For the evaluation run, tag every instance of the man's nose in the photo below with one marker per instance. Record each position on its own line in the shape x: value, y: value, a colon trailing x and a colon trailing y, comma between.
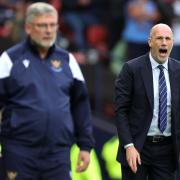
x: 164, y: 41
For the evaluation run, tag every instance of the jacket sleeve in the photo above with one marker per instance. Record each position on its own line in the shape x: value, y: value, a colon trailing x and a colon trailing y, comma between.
x: 123, y: 99
x: 80, y: 108
x: 5, y: 68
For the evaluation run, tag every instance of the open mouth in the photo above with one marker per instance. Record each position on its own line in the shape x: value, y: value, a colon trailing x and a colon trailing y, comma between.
x: 163, y: 51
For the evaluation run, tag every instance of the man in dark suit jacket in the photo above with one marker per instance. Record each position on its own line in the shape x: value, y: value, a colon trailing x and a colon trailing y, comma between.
x: 147, y: 151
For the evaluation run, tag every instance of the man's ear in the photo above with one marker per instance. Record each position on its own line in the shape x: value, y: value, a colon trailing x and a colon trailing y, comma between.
x: 149, y: 42
x: 27, y: 28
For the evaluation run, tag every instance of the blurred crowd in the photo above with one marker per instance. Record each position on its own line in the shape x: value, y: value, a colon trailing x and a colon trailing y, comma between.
x: 102, y: 33
x: 96, y: 30
x: 105, y: 33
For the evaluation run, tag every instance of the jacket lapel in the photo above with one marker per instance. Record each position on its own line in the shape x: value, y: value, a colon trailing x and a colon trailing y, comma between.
x: 174, y: 87
x: 146, y: 72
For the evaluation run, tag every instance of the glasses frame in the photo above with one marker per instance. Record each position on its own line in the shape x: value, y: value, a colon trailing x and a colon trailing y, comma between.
x: 45, y: 26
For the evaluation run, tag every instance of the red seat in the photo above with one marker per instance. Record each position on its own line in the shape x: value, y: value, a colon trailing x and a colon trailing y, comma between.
x: 96, y: 34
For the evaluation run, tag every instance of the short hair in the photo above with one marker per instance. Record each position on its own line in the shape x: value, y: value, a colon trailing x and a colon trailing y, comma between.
x: 156, y: 26
x: 39, y: 8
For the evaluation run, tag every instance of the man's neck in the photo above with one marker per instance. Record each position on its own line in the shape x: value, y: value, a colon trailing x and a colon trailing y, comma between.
x: 43, y: 52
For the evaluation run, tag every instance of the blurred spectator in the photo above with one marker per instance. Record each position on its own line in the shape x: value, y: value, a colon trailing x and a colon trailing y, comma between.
x: 116, y: 20
x: 109, y: 153
x: 7, y: 15
x: 78, y: 15
x: 93, y: 172
x: 140, y: 17
x: 97, y: 36
x: 11, y: 22
x: 165, y: 8
x: 57, y: 4
x: 6, y: 11
x: 18, y: 23
x: 83, y: 30
x: 118, y: 55
x: 176, y: 29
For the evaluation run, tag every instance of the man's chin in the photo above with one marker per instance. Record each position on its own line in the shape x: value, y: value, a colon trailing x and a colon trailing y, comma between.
x: 45, y: 45
x: 48, y: 44
x: 163, y: 58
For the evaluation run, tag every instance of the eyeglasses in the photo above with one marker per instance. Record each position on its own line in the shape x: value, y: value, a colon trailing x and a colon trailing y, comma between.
x: 43, y: 26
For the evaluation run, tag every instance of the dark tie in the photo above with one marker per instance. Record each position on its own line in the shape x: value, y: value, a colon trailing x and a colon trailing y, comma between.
x: 162, y: 120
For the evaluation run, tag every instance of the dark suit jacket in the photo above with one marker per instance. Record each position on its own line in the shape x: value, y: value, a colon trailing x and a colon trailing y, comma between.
x: 134, y: 103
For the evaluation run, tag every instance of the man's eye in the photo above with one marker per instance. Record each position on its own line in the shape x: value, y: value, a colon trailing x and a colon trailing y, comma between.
x: 42, y: 25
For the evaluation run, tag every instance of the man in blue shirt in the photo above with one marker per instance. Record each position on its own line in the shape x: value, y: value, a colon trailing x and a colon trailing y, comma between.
x: 45, y: 103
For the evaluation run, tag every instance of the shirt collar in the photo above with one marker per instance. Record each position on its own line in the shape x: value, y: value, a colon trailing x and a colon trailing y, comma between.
x: 33, y: 47
x: 154, y: 63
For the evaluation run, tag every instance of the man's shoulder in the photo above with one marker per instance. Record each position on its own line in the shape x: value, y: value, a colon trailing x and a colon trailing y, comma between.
x: 16, y: 51
x: 61, y: 51
x: 174, y: 66
x: 16, y: 48
x: 174, y: 63
x: 139, y: 61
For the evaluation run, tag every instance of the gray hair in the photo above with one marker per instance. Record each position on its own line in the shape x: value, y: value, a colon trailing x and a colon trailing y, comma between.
x: 39, y: 8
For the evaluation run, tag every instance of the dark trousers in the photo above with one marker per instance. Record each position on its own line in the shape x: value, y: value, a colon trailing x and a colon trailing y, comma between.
x: 158, y: 163
x: 2, y: 172
x: 20, y: 167
x: 178, y: 172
